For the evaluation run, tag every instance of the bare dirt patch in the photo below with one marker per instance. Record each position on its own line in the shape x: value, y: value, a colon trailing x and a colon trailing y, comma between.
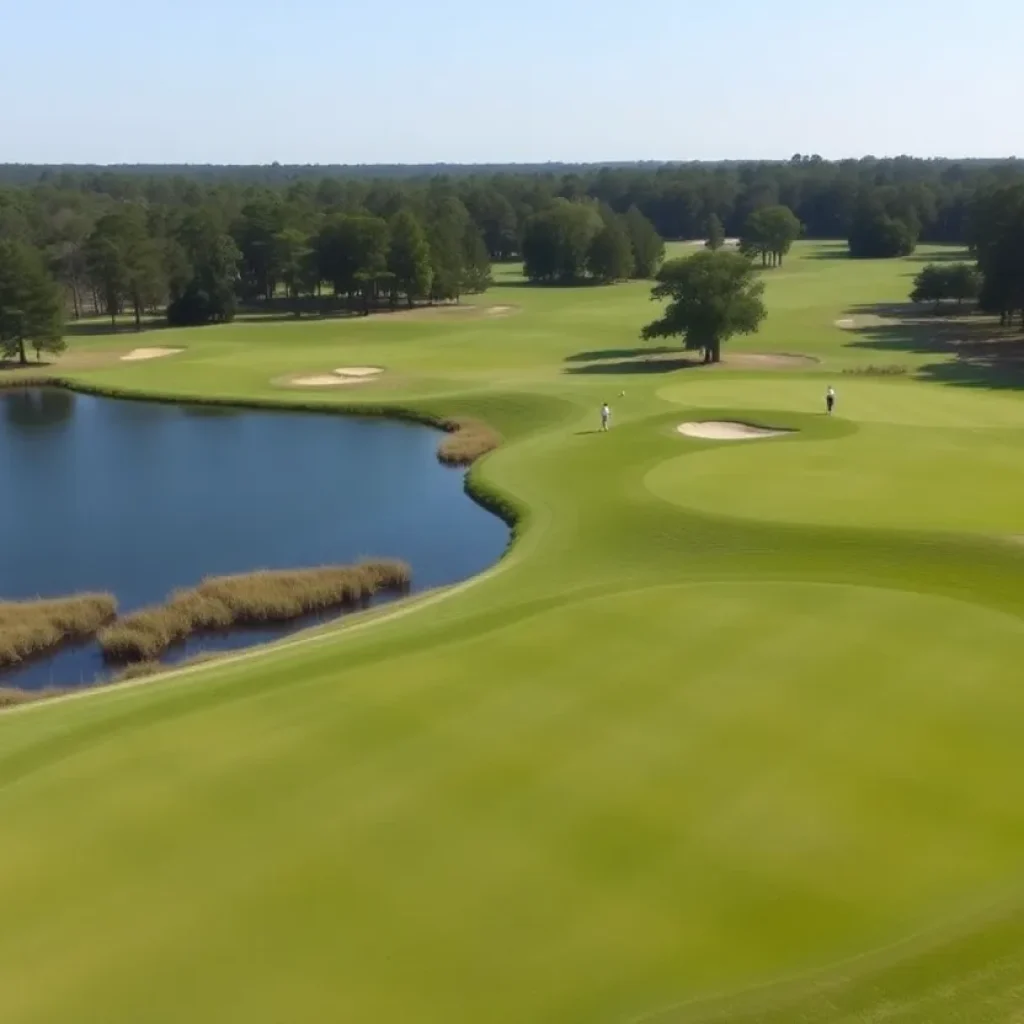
x: 769, y: 360
x: 344, y: 376
x: 728, y: 430
x: 455, y: 311
x: 137, y: 354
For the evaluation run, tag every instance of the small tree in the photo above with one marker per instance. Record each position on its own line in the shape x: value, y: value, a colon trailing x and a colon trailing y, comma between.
x: 938, y: 282
x: 715, y: 233
x: 771, y: 232
x: 874, y: 234
x: 712, y: 296
x: 930, y: 285
x: 30, y: 307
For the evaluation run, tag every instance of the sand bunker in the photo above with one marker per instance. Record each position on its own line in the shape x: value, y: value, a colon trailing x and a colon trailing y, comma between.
x: 148, y: 353
x: 341, y: 377
x: 727, y: 430
x: 865, y: 320
x: 497, y: 310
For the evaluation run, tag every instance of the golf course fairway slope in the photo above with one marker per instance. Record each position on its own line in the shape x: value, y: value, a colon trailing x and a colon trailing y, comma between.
x: 733, y: 733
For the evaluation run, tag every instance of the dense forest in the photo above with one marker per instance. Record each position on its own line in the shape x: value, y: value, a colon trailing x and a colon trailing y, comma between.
x: 197, y: 241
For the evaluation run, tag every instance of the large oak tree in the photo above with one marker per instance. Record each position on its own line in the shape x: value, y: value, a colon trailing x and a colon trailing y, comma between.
x: 711, y: 297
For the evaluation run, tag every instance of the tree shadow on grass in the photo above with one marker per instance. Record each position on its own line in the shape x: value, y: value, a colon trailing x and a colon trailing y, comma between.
x: 605, y: 354
x: 979, y: 353
x: 623, y: 366
x: 999, y: 374
x: 829, y: 251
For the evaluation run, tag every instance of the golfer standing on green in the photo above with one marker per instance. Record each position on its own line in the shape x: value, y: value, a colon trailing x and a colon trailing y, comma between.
x: 606, y: 415
x: 830, y: 400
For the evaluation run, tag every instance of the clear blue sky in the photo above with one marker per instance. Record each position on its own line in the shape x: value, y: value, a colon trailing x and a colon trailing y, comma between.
x: 342, y: 81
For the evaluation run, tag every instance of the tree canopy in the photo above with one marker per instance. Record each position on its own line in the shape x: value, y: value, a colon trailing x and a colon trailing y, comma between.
x: 938, y: 282
x: 770, y: 232
x: 712, y: 296
x: 882, y: 228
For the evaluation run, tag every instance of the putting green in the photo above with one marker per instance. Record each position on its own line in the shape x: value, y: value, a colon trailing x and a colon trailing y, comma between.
x: 896, y: 402
x: 735, y: 732
x: 903, y: 478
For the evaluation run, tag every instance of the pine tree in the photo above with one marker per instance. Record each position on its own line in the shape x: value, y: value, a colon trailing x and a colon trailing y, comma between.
x: 409, y: 257
x: 647, y: 244
x: 30, y: 310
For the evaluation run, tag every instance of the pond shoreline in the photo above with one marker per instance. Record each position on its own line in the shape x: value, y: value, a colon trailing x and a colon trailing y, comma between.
x: 459, y: 430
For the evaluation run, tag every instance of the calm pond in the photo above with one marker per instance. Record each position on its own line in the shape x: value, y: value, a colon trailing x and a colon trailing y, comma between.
x: 138, y: 498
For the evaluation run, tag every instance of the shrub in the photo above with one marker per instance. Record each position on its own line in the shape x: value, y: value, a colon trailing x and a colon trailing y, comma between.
x: 882, y: 370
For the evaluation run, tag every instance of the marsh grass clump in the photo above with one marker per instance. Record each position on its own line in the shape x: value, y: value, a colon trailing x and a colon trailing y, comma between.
x: 32, y: 628
x: 467, y: 440
x: 250, y: 599
x: 881, y: 370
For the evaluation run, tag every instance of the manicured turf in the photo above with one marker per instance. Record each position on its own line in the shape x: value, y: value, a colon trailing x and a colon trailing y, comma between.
x: 734, y: 733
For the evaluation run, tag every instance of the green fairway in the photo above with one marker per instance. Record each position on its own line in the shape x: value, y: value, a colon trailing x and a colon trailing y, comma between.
x: 734, y: 733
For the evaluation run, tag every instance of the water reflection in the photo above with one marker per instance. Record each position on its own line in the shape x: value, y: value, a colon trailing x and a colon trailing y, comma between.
x: 38, y: 407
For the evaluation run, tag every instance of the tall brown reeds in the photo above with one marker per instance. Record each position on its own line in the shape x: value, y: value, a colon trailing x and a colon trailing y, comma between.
x: 32, y: 628
x: 467, y: 440
x: 250, y: 599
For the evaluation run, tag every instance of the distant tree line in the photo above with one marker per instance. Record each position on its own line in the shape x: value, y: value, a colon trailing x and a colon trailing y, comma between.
x: 196, y: 242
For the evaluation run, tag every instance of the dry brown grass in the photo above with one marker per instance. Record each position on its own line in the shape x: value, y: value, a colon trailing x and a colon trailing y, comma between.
x: 142, y: 669
x: 31, y: 628
x: 11, y: 697
x: 467, y: 440
x: 251, y: 599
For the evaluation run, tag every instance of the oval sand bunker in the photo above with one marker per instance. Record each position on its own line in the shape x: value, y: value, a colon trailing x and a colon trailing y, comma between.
x: 148, y: 353
x: 728, y: 430
x: 340, y: 377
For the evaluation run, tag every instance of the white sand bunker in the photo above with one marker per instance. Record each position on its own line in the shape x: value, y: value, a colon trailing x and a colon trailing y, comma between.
x: 727, y: 430
x: 497, y: 310
x: 865, y: 320
x: 341, y: 377
x: 148, y: 353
